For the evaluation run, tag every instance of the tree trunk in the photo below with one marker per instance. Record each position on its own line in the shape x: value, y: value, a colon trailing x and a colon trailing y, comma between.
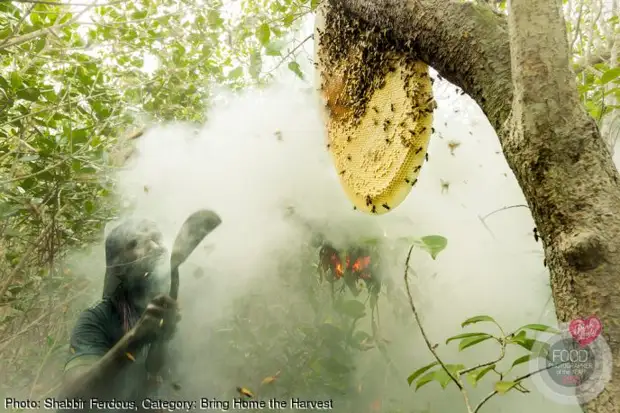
x: 553, y: 147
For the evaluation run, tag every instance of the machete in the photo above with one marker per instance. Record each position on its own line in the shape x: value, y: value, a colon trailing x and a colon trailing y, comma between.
x: 195, y: 228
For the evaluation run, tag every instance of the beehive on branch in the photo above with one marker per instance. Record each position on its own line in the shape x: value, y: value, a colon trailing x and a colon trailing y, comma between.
x: 378, y: 109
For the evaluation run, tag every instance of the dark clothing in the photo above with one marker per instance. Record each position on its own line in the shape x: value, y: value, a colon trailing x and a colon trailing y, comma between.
x: 100, y: 327
x: 97, y: 330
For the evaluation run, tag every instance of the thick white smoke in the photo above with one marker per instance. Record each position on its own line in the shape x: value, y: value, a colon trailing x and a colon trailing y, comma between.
x: 264, y: 151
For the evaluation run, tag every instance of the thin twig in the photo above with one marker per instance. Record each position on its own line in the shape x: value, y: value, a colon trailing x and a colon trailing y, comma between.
x: 26, y: 254
x: 517, y: 380
x: 291, y: 52
x: 503, y: 209
x: 428, y: 343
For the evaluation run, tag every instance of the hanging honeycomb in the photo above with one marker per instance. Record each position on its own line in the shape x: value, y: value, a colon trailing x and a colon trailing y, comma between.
x: 378, y: 109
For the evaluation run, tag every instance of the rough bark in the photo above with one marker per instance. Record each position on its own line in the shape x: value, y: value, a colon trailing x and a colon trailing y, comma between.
x: 553, y: 147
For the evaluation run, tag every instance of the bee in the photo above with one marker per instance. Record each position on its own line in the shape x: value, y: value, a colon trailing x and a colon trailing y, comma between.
x: 432, y: 130
x: 392, y: 107
x: 388, y: 141
x: 386, y: 124
x: 402, y: 124
x: 545, y: 262
x: 343, y: 171
x: 414, y: 182
x: 245, y: 392
x: 354, y: 208
x: 348, y: 157
x: 418, y: 150
x: 329, y: 145
x: 407, y: 180
x: 386, y: 206
x: 375, y: 109
x: 411, y: 131
x: 462, y: 92
x: 368, y: 200
x: 417, y: 168
x: 374, y: 209
x: 376, y: 122
x: 426, y: 156
x: 439, y: 77
x: 536, y: 237
x: 348, y: 139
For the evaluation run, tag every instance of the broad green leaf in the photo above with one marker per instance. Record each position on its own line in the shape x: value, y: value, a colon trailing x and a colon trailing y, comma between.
x: 466, y: 335
x: 263, y: 33
x: 502, y: 387
x: 521, y: 360
x: 539, y: 327
x: 434, y: 244
x: 294, y: 67
x: 478, y: 319
x: 483, y: 371
x: 420, y: 371
x: 424, y: 380
x: 610, y: 75
x: 472, y: 341
x: 31, y: 94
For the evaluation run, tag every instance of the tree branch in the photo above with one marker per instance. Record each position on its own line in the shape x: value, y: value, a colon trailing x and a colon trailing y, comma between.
x: 466, y: 43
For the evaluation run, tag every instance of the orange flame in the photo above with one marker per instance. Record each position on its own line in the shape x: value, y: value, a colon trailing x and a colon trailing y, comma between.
x: 361, y: 263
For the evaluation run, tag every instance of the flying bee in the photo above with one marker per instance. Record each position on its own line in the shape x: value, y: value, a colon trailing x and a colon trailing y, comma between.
x: 245, y: 392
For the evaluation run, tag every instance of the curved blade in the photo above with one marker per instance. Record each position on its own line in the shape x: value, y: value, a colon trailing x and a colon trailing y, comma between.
x: 195, y: 228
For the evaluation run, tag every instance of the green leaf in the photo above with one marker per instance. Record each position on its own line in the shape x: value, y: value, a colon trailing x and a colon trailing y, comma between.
x: 424, y: 380
x: 353, y: 308
x: 521, y: 360
x: 610, y: 75
x: 236, y: 73
x: 434, y: 244
x: 472, y: 341
x: 214, y: 19
x: 420, y: 371
x: 274, y: 49
x: 539, y: 327
x: 294, y: 67
x: 482, y: 372
x: 502, y: 387
x: 50, y: 341
x: 31, y: 94
x: 478, y: 319
x: 314, y: 4
x: 263, y: 33
x: 465, y: 335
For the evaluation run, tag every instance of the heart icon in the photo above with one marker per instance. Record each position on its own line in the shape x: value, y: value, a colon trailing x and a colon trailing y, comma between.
x: 585, y: 331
